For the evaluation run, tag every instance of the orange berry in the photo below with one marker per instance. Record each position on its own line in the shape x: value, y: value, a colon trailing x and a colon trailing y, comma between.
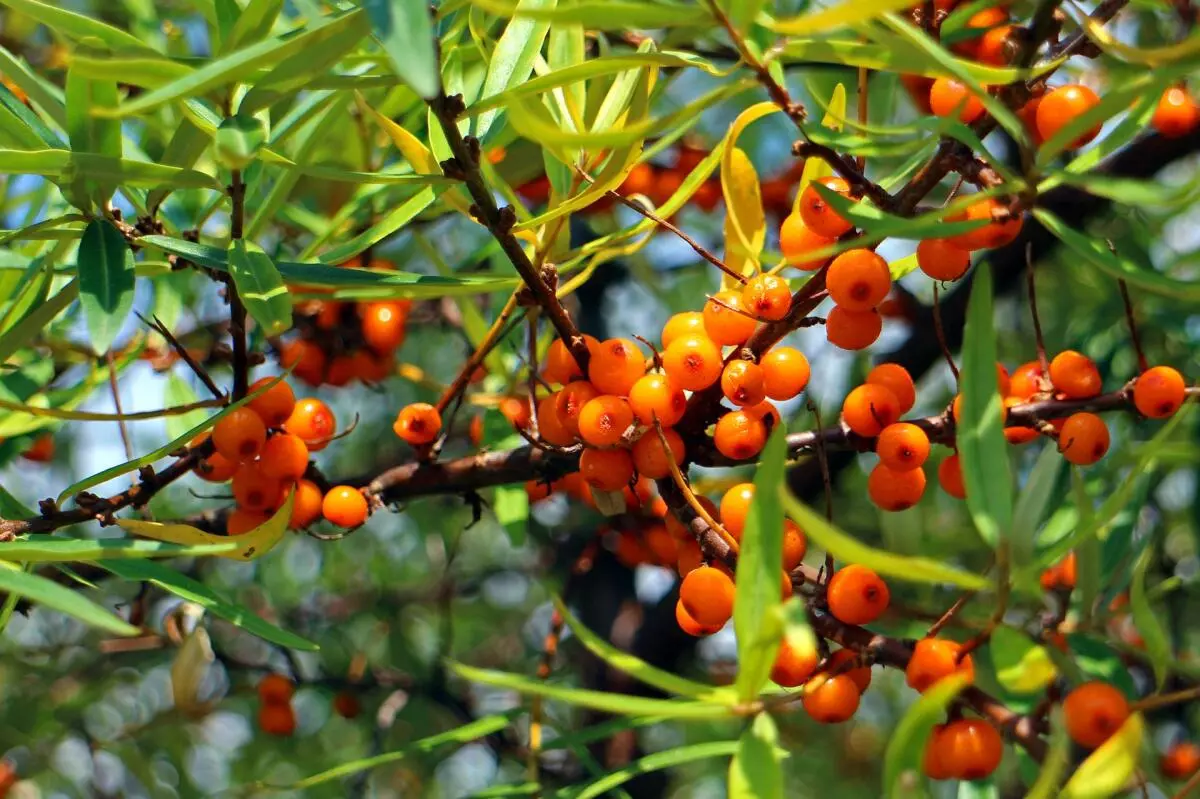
x: 275, y: 689
x: 767, y: 297
x: 830, y: 700
x: 241, y: 521
x: 896, y: 378
x: 932, y: 660
x: 284, y: 457
x: 797, y: 241
x: 763, y: 411
x: 994, y: 234
x: 941, y: 260
x: 693, y: 362
x: 240, y: 435
x: 345, y: 506
x: 1062, y: 105
x: 707, y: 596
x: 936, y: 764
x: 1094, y: 711
x: 856, y: 595
x: 1026, y: 380
x: 657, y: 396
x: 1084, y: 439
x: 551, y: 427
x: 253, y: 490
x: 1176, y: 114
x: 306, y: 359
x: 606, y: 469
x: 383, y: 324
x: 689, y: 323
x: 948, y: 97
x: 306, y: 507
x: 372, y: 367
x: 785, y: 372
x: 917, y: 87
x: 1159, y: 392
x: 858, y: 280
x: 690, y: 555
x: 41, y: 450
x: 974, y: 748
x: 274, y: 405
x: 725, y: 319
x: 743, y: 383
x: 795, y: 545
x: 979, y: 22
x: 516, y: 411
x: 346, y: 705
x: 663, y: 546
x: 649, y: 457
x: 792, y: 668
x: 537, y: 490
x: 993, y: 46
x: 818, y: 215
x: 902, y: 446
x: 735, y: 506
x: 852, y: 330
x: 1017, y: 435
x: 603, y: 420
x: 1181, y: 761
x: 313, y: 422
x: 895, y: 489
x: 615, y: 366
x: 869, y: 408
x: 690, y: 625
x: 739, y: 435
x: 277, y: 720
x: 1003, y: 380
x: 560, y: 365
x: 216, y: 468
x: 418, y: 423
x: 569, y: 402
x: 950, y: 477
x: 1028, y: 116
x: 1075, y: 375
x: 844, y: 661
x: 329, y: 314
x: 342, y: 370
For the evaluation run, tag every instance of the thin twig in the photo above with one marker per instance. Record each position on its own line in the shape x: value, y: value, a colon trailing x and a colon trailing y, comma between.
x: 237, y: 309
x: 1143, y: 364
x: 1043, y: 361
x: 826, y: 480
x: 184, y: 355
x: 116, y: 396
x: 940, y: 331
x: 1165, y: 700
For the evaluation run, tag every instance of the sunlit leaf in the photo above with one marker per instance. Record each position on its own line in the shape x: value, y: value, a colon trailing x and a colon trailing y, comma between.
x: 260, y: 286
x: 756, y: 772
x: 512, y: 60
x: 249, y: 545
x: 1107, y: 769
x: 405, y: 30
x: 40, y: 548
x: 53, y: 596
x: 1022, y: 666
x: 106, y: 282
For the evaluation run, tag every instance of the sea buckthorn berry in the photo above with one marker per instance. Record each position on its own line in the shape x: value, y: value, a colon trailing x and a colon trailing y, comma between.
x: 690, y: 625
x: 275, y: 689
x: 767, y: 297
x: 1084, y: 439
x: 793, y: 667
x: 1075, y: 375
x: 818, y: 215
x: 551, y: 428
x: 918, y: 87
x: 896, y: 378
x: 858, y: 280
x: 516, y: 411
x: 857, y: 595
x: 1176, y: 114
x: 1003, y: 227
x: 253, y: 490
x: 560, y: 365
x: 242, y: 521
x: 277, y: 720
x: 795, y: 545
x: 313, y: 422
x: 383, y: 325
x: 1027, y: 380
x: 936, y: 763
x: 342, y: 370
x: 569, y: 402
x: 1159, y: 392
x: 306, y: 507
x: 852, y: 330
x: 689, y: 323
x: 895, y: 489
x: 345, y: 506
x: 346, y: 705
x: 418, y: 423
x: 1061, y: 575
x: 974, y: 748
x: 869, y: 408
x: 41, y: 450
x: 1094, y: 711
x: 830, y: 700
x: 329, y: 314
x: 844, y: 661
x: 766, y: 412
x: 934, y: 659
x: 735, y: 506
x: 976, y: 25
x: 948, y: 97
x: 606, y: 469
x: 950, y: 477
x: 216, y: 468
x: 1003, y: 380
x: 604, y: 420
x: 1063, y: 105
x: 725, y: 319
x: 663, y: 546
x: 1028, y: 116
x: 649, y: 457
x: 306, y: 359
x: 284, y: 457
x: 1016, y: 434
x: 615, y: 366
x: 707, y: 596
x: 941, y: 260
x: 743, y: 383
x: 740, y: 435
x: 994, y: 47
x: 785, y: 372
x: 1180, y: 761
x: 240, y: 435
x: 274, y: 405
x: 693, y: 362
x: 657, y: 396
x: 371, y: 367
x: 690, y: 555
x: 537, y: 490
x: 902, y: 446
x: 797, y: 242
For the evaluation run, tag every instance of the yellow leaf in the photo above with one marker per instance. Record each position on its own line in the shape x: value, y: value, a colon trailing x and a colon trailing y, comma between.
x: 188, y: 670
x: 815, y: 168
x: 745, y: 223
x: 849, y: 12
x: 253, y: 544
x: 1108, y: 769
x: 1153, y: 56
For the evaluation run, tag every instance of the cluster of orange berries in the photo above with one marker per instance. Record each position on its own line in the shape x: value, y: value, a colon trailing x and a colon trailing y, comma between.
x: 263, y: 448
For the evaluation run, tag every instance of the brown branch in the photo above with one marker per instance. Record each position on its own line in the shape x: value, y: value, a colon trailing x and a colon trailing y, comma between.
x: 237, y: 309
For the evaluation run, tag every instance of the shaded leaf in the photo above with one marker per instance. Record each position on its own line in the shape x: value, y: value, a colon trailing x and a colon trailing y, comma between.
x: 106, y: 282
x: 405, y: 30
x: 756, y: 771
x: 1149, y: 623
x: 39, y: 548
x: 651, y: 763
x: 260, y: 286
x: 78, y: 26
x: 1033, y: 502
x: 50, y: 594
x: 1022, y: 666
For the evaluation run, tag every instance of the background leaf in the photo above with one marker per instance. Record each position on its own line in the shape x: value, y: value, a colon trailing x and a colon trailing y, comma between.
x: 1148, y: 622
x: 755, y: 771
x: 106, y: 280
x: 51, y: 595
x: 405, y: 30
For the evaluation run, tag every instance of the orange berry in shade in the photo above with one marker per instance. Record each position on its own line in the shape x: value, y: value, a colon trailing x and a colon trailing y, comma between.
x: 994, y: 47
x: 216, y: 468
x: 1159, y: 392
x: 1176, y: 113
x: 857, y: 595
x: 253, y: 490
x: 690, y: 556
x: 869, y: 408
x: 976, y: 25
x: 604, y: 420
x: 569, y: 402
x: 785, y: 372
x: 560, y: 365
x: 902, y: 446
x: 735, y: 506
x: 306, y: 359
x: 277, y: 720
x: 284, y: 457
x: 936, y: 764
x: 950, y: 477
x: 1026, y: 380
x: 606, y: 469
x: 852, y: 330
x: 242, y: 521
x: 1075, y: 375
x: 1017, y: 435
x: 740, y: 435
x: 917, y: 87
x: 383, y: 325
x: 656, y: 396
x: 844, y: 661
x: 418, y: 423
x: 949, y: 98
x: 306, y: 507
x: 743, y: 383
x: 1094, y: 711
x: 274, y: 405
x: 41, y: 450
x: 793, y: 667
x: 1084, y: 439
x: 725, y: 319
x: 240, y: 435
x: 896, y: 378
x: 551, y: 427
x: 830, y: 700
x: 346, y: 705
x: 615, y: 366
x: 342, y: 370
x: 313, y: 422
x: 345, y: 506
x: 707, y: 596
x: 996, y: 233
x: 661, y: 544
x: 693, y: 362
x: 934, y: 659
x: 1181, y: 761
x: 941, y: 260
x: 649, y: 457
x: 275, y: 689
x: 858, y: 280
x: 797, y: 242
x: 974, y: 748
x: 818, y: 215
x: 895, y: 490
x: 1028, y: 116
x: 689, y: 323
x: 1063, y: 105
x: 767, y: 297
x: 690, y: 625
x: 795, y: 545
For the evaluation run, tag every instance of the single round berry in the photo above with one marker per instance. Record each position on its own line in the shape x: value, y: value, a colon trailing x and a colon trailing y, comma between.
x: 857, y: 595
x: 707, y: 596
x: 569, y: 402
x: 560, y: 365
x: 858, y: 280
x: 284, y: 457
x: 1063, y: 105
x: 740, y: 435
x: 372, y: 367
x: 975, y: 27
x: 1084, y: 439
x: 615, y: 366
x: 313, y: 422
x: 743, y: 383
x: 383, y: 324
x: 852, y: 330
x: 869, y: 408
x: 1176, y: 114
x: 995, y: 46
x: 1003, y: 380
x: 345, y: 506
x: 785, y: 372
x: 1027, y: 380
x: 1159, y: 392
x: 342, y: 369
x: 1028, y: 116
x: 950, y: 477
x: 275, y: 404
x: 216, y: 468
x: 689, y: 323
x: 1001, y: 228
x: 253, y: 490
x: 306, y: 359
x: 818, y: 215
x: 690, y: 625
x: 941, y: 260
x: 974, y: 748
x: 516, y: 411
x: 693, y: 362
x: 936, y: 763
x: 277, y: 720
x: 346, y: 705
x: 830, y: 700
x: 846, y: 661
x: 934, y: 659
x: 735, y: 506
x: 895, y: 377
x: 690, y: 556
x: 551, y: 428
x: 726, y: 320
x: 604, y: 420
x: 767, y: 297
x: 793, y: 667
x: 606, y: 469
x: 895, y: 489
x: 651, y: 460
x: 418, y: 424
x: 1094, y: 711
x: 795, y: 545
x: 275, y: 689
x: 329, y: 314
x: 1075, y: 375
x: 663, y: 547
x: 950, y: 98
x: 242, y: 521
x: 902, y: 446
x: 656, y: 396
x: 1180, y: 761
x: 797, y: 243
x: 240, y: 435
x: 306, y: 507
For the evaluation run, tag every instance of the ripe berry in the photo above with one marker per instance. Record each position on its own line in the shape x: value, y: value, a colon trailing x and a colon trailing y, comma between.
x: 725, y: 319
x: 739, y: 435
x: 615, y: 366
x: 275, y: 689
x: 306, y: 507
x: 785, y: 372
x: 1094, y: 711
x: 856, y: 595
x: 342, y: 370
x: 767, y: 297
x: 844, y: 661
x: 284, y: 457
x: 994, y: 46
x: 560, y: 366
x: 569, y: 402
x: 707, y: 596
x: 1062, y: 105
x: 346, y: 705
x: 345, y: 506
x: 371, y: 367
x: 253, y: 490
x: 941, y: 260
x: 1084, y: 439
x: 329, y: 314
x: 690, y: 625
x: 551, y: 428
x: 974, y: 748
x: 606, y: 469
x: 830, y: 700
x: 1075, y: 375
x: 818, y: 215
x: 383, y: 325
x: 994, y: 234
x: 793, y: 667
x: 604, y: 420
x: 418, y: 423
x: 895, y: 377
x: 852, y: 330
x: 735, y: 506
x: 948, y: 97
x: 743, y: 383
x: 1176, y: 113
x: 663, y: 546
x: 241, y: 521
x: 1181, y: 761
x: 313, y: 422
x: 895, y: 489
x: 240, y: 435
x: 277, y: 720
x: 274, y: 405
x: 1026, y: 380
x: 950, y: 477
x: 649, y: 457
x: 689, y: 557
x: 216, y: 468
x: 693, y: 362
x: 657, y: 396
x: 1028, y: 116
x: 1159, y: 392
x: 869, y: 408
x: 689, y: 323
x: 858, y: 280
x: 306, y: 359
x: 976, y: 25
x: 795, y: 545
x: 1061, y: 575
x: 796, y: 242
x: 516, y: 411
x: 936, y: 764
x: 932, y: 660
x: 902, y: 446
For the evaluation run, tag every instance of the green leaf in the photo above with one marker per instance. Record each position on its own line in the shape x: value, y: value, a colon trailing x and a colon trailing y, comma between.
x: 1096, y: 660
x: 65, y: 165
x: 238, y: 140
x: 648, y: 764
x: 178, y: 392
x: 896, y: 56
x: 1057, y: 760
x: 185, y: 587
x: 51, y: 549
x: 260, y: 287
x: 844, y: 14
x: 252, y: 25
x: 1033, y: 502
x: 1022, y: 666
x: 756, y: 770
x: 599, y: 14
x: 981, y: 445
x: 757, y: 619
x: 1149, y: 623
x: 1107, y: 769
x: 106, y: 281
x: 512, y: 60
x: 845, y: 547
x: 511, y: 506
x: 296, y: 72
x: 40, y: 91
x: 13, y: 508
x: 50, y: 594
x: 134, y: 69
x: 43, y: 135
x: 405, y: 30
x: 32, y: 324
x: 184, y: 149
x: 906, y: 747
x: 880, y: 224
x: 397, y: 218
x: 77, y: 26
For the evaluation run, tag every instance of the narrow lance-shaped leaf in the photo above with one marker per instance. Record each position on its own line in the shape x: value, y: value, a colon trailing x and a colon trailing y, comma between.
x: 1033, y: 502
x: 512, y: 60
x: 405, y: 30
x: 260, y: 287
x: 106, y: 282
x: 1022, y: 666
x: 50, y: 594
x: 756, y: 769
x: 1149, y: 624
x: 78, y: 26
x: 1109, y: 767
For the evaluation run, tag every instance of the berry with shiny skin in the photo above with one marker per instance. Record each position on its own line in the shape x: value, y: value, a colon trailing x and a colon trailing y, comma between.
x: 852, y: 330
x: 275, y: 404
x: 902, y: 446
x: 240, y: 435
x: 1062, y: 105
x: 895, y: 489
x: 941, y: 260
x: 896, y: 378
x: 830, y: 700
x: 707, y: 596
x: 604, y: 420
x: 739, y: 435
x: 284, y: 457
x: 1159, y: 392
x: 858, y: 280
x: 869, y: 408
x: 693, y: 362
x: 615, y: 366
x: 793, y: 667
x: 725, y: 319
x: 345, y: 506
x: 743, y: 382
x: 689, y: 323
x: 1084, y: 438
x: 606, y: 469
x: 1075, y: 375
x: 767, y: 297
x: 651, y: 460
x: 798, y: 242
x: 785, y: 372
x: 818, y: 215
x: 857, y: 595
x: 1176, y: 114
x: 418, y: 424
x: 950, y: 477
x: 934, y: 659
x: 1093, y: 712
x: 313, y: 422
x: 656, y: 396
